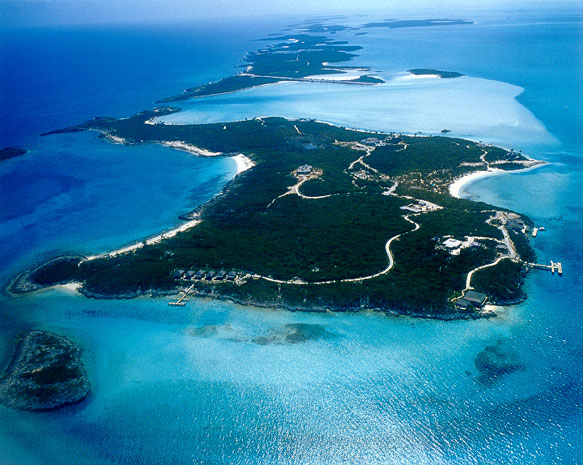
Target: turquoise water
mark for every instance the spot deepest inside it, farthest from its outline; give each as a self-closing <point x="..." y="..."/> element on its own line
<point x="219" y="383"/>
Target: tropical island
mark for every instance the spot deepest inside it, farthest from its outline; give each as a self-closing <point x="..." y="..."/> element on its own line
<point x="294" y="58"/>
<point x="327" y="218"/>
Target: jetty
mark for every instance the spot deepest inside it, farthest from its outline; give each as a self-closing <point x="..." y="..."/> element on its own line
<point x="553" y="267"/>
<point x="181" y="302"/>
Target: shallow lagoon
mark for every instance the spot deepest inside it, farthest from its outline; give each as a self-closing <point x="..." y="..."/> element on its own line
<point x="468" y="107"/>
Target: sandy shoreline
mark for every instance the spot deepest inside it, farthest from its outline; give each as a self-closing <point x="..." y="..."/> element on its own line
<point x="149" y="241"/>
<point x="181" y="145"/>
<point x="415" y="77"/>
<point x="243" y="163"/>
<point x="456" y="187"/>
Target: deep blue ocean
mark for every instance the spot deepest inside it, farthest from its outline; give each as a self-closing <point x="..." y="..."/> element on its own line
<point x="193" y="385"/>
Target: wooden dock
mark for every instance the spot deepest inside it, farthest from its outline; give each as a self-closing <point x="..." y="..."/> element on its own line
<point x="181" y="302"/>
<point x="554" y="266"/>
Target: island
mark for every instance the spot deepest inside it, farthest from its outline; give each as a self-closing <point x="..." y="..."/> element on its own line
<point x="327" y="218"/>
<point x="308" y="56"/>
<point x="45" y="373"/>
<point x="297" y="57"/>
<point x="434" y="72"/>
<point x="11" y="152"/>
<point x="395" y="24"/>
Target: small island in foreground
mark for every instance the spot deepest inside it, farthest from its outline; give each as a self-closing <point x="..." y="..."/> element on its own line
<point x="46" y="373"/>
<point x="11" y="152"/>
<point x="328" y="218"/>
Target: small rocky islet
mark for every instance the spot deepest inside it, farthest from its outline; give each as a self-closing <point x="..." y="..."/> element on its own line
<point x="45" y="373"/>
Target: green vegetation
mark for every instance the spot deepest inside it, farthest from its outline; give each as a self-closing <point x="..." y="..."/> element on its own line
<point x="522" y="245"/>
<point x="56" y="271"/>
<point x="367" y="78"/>
<point x="446" y="154"/>
<point x="441" y="74"/>
<point x="293" y="58"/>
<point x="264" y="230"/>
<point x="224" y="86"/>
<point x="46" y="373"/>
<point x="502" y="283"/>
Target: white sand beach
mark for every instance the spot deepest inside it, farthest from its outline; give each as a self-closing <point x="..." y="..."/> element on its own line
<point x="181" y="145"/>
<point x="456" y="186"/>
<point x="151" y="240"/>
<point x="415" y="77"/>
<point x="243" y="163"/>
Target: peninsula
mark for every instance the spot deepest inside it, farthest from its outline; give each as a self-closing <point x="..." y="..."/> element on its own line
<point x="305" y="57"/>
<point x="327" y="218"/>
<point x="299" y="57"/>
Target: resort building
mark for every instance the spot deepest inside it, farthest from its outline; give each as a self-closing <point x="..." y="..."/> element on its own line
<point x="304" y="170"/>
<point x="220" y="275"/>
<point x="471" y="299"/>
<point x="177" y="274"/>
<point x="452" y="243"/>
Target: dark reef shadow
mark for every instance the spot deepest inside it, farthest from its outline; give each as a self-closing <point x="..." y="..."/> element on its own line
<point x="495" y="362"/>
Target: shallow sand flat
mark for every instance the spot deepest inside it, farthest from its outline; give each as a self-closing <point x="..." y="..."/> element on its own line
<point x="469" y="107"/>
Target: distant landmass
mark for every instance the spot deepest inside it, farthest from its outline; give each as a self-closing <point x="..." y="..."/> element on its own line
<point x="394" y="24"/>
<point x="303" y="56"/>
<point x="434" y="72"/>
<point x="296" y="57"/>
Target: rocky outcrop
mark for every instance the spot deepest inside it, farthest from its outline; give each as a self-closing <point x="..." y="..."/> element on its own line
<point x="46" y="372"/>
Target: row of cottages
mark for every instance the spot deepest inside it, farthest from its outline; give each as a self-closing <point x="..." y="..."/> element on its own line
<point x="200" y="275"/>
<point x="471" y="299"/>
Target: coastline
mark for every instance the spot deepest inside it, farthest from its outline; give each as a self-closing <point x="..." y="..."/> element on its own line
<point x="456" y="187"/>
<point x="149" y="241"/>
<point x="243" y="163"/>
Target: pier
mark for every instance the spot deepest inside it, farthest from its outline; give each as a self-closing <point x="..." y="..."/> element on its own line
<point x="181" y="302"/>
<point x="554" y="266"/>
